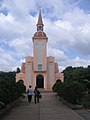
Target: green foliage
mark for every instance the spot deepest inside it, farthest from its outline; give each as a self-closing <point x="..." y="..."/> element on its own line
<point x="78" y="74"/>
<point x="86" y="101"/>
<point x="86" y="83"/>
<point x="21" y="87"/>
<point x="75" y="86"/>
<point x="74" y="74"/>
<point x="56" y="86"/>
<point x="9" y="89"/>
<point x="18" y="70"/>
<point x="72" y="92"/>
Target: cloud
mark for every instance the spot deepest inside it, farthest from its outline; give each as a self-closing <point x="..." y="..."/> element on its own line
<point x="74" y="32"/>
<point x="4" y="11"/>
<point x="75" y="62"/>
<point x="7" y="60"/>
<point x="66" y="23"/>
<point x="21" y="46"/>
<point x="20" y="8"/>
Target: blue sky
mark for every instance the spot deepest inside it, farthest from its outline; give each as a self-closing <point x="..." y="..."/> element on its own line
<point x="66" y="23"/>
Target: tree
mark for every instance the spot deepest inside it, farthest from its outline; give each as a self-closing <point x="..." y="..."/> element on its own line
<point x="9" y="89"/>
<point x="73" y="92"/>
<point x="18" y="70"/>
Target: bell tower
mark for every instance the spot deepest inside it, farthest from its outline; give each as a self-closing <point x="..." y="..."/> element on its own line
<point x="40" y="47"/>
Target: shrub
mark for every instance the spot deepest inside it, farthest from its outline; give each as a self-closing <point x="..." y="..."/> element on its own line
<point x="10" y="90"/>
<point x="72" y="92"/>
<point x="56" y="86"/>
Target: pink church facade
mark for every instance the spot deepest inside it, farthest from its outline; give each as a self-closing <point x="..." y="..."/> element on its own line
<point x="39" y="70"/>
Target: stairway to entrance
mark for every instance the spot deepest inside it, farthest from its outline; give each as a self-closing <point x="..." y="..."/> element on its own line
<point x="42" y="90"/>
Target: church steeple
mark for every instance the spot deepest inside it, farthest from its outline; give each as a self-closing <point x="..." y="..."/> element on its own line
<point x="40" y="33"/>
<point x="40" y="22"/>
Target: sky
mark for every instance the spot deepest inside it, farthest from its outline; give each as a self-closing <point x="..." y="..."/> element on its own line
<point x="66" y="23"/>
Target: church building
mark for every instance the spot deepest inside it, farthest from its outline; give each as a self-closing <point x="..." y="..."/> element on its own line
<point x="39" y="70"/>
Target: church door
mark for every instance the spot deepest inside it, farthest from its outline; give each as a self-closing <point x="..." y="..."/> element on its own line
<point x="40" y="81"/>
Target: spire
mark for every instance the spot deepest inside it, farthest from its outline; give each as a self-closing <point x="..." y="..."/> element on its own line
<point x="40" y="22"/>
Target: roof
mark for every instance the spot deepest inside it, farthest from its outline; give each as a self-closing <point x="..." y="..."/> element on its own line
<point x="40" y="34"/>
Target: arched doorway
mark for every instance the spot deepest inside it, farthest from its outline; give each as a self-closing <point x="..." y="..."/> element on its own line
<point x="40" y="81"/>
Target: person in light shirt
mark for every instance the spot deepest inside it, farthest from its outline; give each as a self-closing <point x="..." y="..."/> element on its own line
<point x="30" y="93"/>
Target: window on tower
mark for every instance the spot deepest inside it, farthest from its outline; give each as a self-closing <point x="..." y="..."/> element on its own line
<point x="39" y="67"/>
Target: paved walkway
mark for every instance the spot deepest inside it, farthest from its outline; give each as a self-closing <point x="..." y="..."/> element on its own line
<point x="49" y="108"/>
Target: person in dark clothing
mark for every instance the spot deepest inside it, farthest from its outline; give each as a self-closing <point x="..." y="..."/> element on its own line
<point x="36" y="95"/>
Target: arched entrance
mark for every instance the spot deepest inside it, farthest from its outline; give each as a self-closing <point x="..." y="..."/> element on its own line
<point x="40" y="81"/>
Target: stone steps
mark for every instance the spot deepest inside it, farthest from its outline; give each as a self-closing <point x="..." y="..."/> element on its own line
<point x="44" y="90"/>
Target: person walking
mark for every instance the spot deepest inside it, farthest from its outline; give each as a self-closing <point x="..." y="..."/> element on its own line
<point x="30" y="93"/>
<point x="36" y="95"/>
